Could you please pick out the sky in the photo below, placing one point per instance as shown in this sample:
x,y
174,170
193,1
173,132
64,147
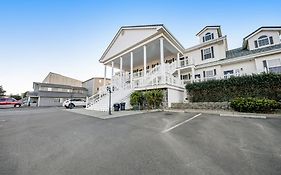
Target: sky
x,y
69,36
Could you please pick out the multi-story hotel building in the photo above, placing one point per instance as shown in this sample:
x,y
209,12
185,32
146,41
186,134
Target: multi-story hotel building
x,y
150,57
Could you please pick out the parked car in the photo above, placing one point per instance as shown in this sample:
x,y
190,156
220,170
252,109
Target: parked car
x,y
72,103
6,101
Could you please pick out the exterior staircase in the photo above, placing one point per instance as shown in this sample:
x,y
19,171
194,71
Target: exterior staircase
x,y
123,88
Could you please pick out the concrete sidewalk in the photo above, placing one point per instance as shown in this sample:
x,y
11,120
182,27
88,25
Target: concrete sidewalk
x,y
105,115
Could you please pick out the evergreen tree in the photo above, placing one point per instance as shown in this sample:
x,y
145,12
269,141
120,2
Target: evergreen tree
x,y
2,91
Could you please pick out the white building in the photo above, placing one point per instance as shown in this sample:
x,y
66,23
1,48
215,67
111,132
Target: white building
x,y
150,57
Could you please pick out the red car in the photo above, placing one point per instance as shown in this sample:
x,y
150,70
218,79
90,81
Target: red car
x,y
10,102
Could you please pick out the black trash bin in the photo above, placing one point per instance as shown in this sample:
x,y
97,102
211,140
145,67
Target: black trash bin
x,y
116,106
122,106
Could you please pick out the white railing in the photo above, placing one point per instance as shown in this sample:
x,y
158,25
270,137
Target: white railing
x,y
186,81
170,79
171,68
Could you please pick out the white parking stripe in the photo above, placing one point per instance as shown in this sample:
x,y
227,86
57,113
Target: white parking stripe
x,y
169,129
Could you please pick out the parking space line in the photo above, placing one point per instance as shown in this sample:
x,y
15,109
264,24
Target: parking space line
x,y
177,125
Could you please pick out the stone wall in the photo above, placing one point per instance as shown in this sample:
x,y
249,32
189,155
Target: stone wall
x,y
202,105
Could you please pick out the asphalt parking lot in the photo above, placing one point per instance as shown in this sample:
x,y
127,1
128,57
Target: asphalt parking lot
x,y
52,141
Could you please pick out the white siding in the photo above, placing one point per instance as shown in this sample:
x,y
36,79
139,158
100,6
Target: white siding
x,y
128,38
175,96
259,63
274,34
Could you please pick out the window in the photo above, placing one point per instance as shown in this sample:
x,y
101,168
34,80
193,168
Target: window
x,y
274,65
197,76
210,74
263,41
208,36
207,53
183,61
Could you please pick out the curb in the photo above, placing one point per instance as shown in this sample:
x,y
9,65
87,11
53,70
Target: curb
x,y
243,116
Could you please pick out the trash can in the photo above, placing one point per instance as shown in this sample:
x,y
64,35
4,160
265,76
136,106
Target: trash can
x,y
122,106
116,106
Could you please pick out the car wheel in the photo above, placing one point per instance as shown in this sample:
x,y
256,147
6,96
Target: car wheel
x,y
71,106
17,105
84,106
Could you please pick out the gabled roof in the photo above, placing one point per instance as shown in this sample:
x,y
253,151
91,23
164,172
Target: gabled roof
x,y
58,75
278,28
263,28
147,31
218,27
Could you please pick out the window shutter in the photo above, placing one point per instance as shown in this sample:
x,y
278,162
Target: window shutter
x,y
271,40
212,50
202,56
204,74
215,72
203,39
256,44
212,36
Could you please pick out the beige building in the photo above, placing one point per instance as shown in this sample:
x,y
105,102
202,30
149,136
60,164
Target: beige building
x,y
56,88
150,57
94,84
54,78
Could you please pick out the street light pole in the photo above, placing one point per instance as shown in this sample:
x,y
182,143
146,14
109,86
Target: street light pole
x,y
109,105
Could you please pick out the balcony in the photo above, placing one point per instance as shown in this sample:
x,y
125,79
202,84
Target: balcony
x,y
184,62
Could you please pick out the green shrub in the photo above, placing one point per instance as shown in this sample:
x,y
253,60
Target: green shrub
x,y
256,86
153,98
254,104
136,99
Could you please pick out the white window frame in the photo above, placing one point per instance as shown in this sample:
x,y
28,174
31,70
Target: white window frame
x,y
209,52
183,61
210,72
273,66
263,38
207,35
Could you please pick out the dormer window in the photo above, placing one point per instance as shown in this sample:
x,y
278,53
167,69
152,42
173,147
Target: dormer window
x,y
208,36
263,41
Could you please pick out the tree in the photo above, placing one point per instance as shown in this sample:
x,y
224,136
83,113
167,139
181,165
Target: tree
x,y
24,94
2,91
17,97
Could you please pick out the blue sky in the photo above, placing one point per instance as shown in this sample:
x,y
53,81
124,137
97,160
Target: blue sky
x,y
69,36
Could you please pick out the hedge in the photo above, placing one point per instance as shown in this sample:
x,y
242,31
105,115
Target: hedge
x,y
254,105
256,85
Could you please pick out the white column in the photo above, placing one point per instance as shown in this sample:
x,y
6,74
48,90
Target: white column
x,y
144,60
162,58
121,71
178,59
192,74
104,78
112,70
131,77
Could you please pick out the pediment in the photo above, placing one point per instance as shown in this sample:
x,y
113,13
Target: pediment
x,y
127,37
